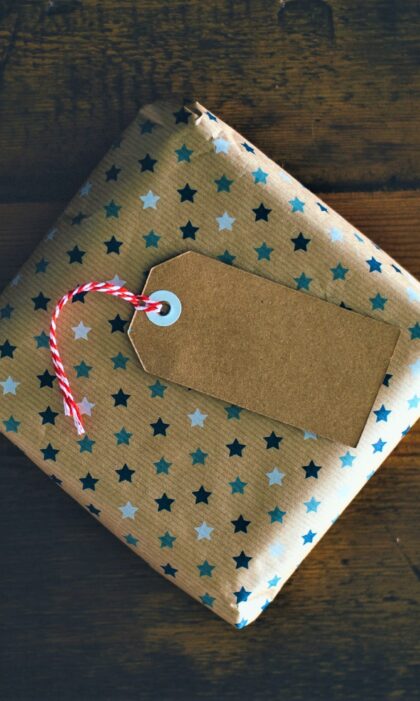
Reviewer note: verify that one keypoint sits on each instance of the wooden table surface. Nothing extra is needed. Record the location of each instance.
(331, 90)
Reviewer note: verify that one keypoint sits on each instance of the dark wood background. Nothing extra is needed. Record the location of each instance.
(331, 90)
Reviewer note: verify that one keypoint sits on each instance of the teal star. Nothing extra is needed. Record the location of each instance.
(273, 581)
(198, 457)
(414, 331)
(233, 412)
(264, 252)
(223, 184)
(42, 341)
(152, 239)
(207, 600)
(374, 265)
(339, 272)
(112, 210)
(184, 153)
(86, 444)
(378, 302)
(11, 425)
(120, 361)
(41, 266)
(226, 257)
(276, 515)
(205, 569)
(260, 176)
(311, 505)
(297, 205)
(131, 540)
(347, 459)
(167, 540)
(302, 282)
(162, 466)
(238, 486)
(157, 389)
(123, 436)
(6, 312)
(382, 413)
(82, 369)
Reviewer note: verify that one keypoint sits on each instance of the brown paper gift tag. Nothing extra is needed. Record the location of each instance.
(265, 347)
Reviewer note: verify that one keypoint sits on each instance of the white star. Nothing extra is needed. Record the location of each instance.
(149, 200)
(81, 331)
(85, 190)
(16, 280)
(221, 145)
(336, 234)
(51, 234)
(9, 385)
(277, 549)
(86, 406)
(204, 531)
(128, 510)
(285, 176)
(308, 435)
(117, 281)
(415, 368)
(197, 418)
(225, 221)
(275, 476)
(413, 295)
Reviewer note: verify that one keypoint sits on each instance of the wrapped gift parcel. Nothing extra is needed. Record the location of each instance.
(219, 463)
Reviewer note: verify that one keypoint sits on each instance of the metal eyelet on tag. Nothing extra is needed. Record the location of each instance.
(175, 308)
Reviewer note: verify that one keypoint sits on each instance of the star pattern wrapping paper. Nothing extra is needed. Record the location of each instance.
(221, 501)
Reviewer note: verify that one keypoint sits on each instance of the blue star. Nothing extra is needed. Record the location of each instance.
(123, 437)
(379, 445)
(312, 505)
(42, 341)
(260, 176)
(184, 153)
(297, 205)
(88, 482)
(223, 184)
(164, 502)
(415, 368)
(415, 331)
(11, 425)
(301, 243)
(276, 515)
(378, 302)
(242, 560)
(275, 476)
(221, 145)
(151, 239)
(226, 257)
(240, 525)
(242, 623)
(374, 265)
(263, 251)
(406, 430)
(131, 540)
(41, 266)
(235, 448)
(382, 413)
(347, 459)
(265, 605)
(302, 282)
(82, 369)
(308, 537)
(238, 486)
(413, 402)
(273, 441)
(204, 531)
(159, 427)
(112, 210)
(167, 540)
(207, 600)
(162, 466)
(206, 569)
(199, 457)
(169, 570)
(248, 148)
(311, 470)
(157, 389)
(225, 221)
(339, 272)
(241, 595)
(149, 200)
(233, 412)
(86, 444)
(273, 581)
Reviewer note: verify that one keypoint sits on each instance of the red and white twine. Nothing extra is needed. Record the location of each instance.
(140, 302)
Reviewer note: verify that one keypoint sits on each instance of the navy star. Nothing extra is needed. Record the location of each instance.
(159, 427)
(248, 148)
(301, 243)
(124, 473)
(235, 448)
(112, 210)
(189, 230)
(117, 324)
(41, 266)
(414, 331)
(147, 127)
(49, 452)
(273, 441)
(79, 297)
(382, 413)
(93, 510)
(147, 163)
(322, 207)
(169, 570)
(6, 312)
(120, 398)
(241, 595)
(164, 502)
(76, 255)
(40, 301)
(187, 193)
(202, 496)
(240, 525)
(78, 218)
(261, 212)
(311, 470)
(242, 560)
(46, 379)
(113, 246)
(88, 482)
(7, 349)
(112, 173)
(56, 480)
(182, 116)
(387, 379)
(48, 416)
